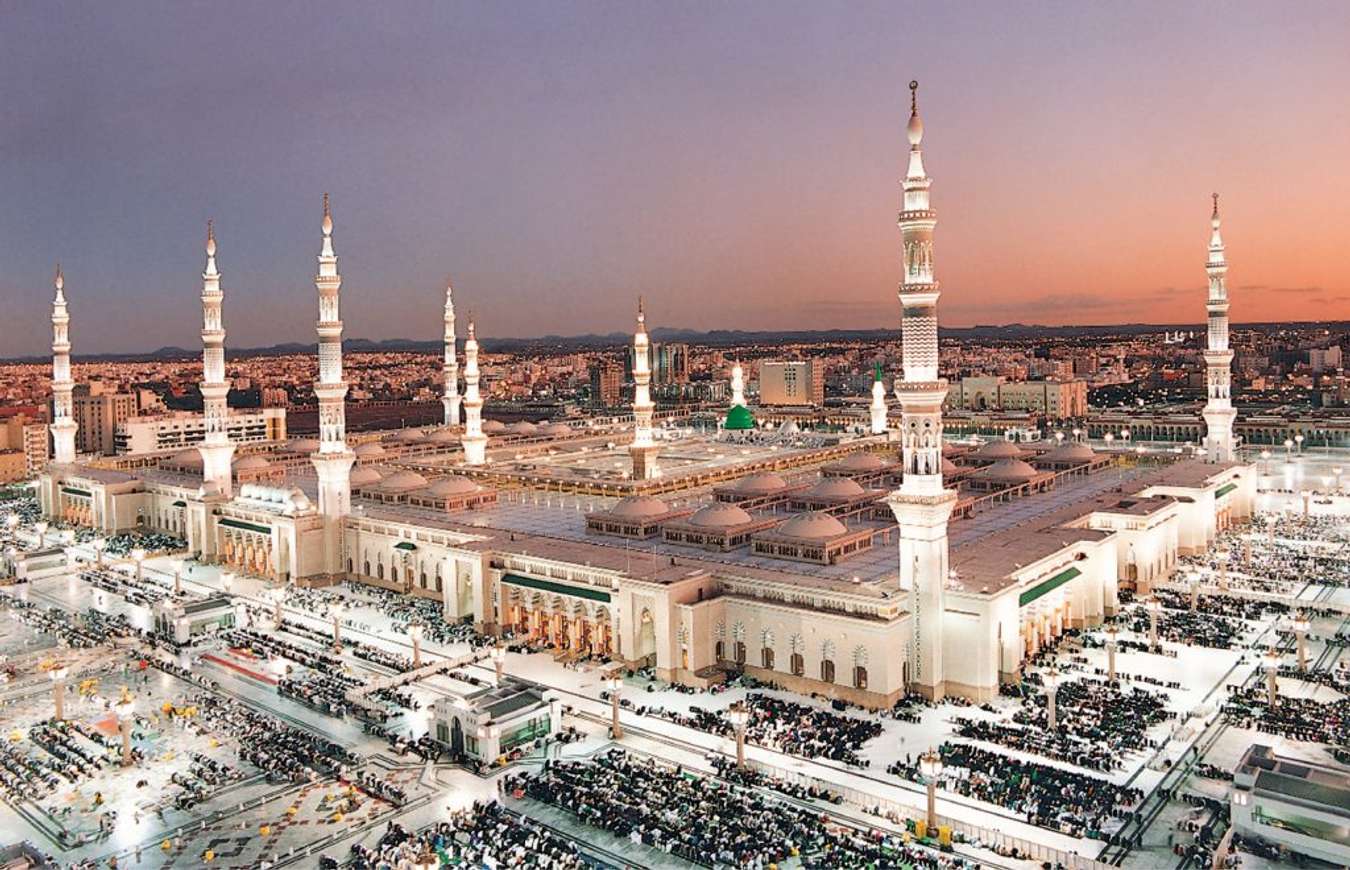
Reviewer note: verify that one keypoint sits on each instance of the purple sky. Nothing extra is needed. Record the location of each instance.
(736, 162)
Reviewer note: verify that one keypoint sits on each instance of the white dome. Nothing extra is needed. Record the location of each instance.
(365, 476)
(720, 515)
(835, 488)
(369, 450)
(493, 427)
(639, 507)
(1008, 470)
(814, 525)
(764, 483)
(522, 427)
(556, 430)
(998, 450)
(443, 436)
(189, 458)
(402, 481)
(1071, 452)
(297, 501)
(251, 463)
(789, 428)
(412, 436)
(303, 445)
(452, 486)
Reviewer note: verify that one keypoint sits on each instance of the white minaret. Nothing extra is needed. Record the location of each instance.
(737, 385)
(878, 408)
(216, 449)
(921, 505)
(333, 462)
(1219, 412)
(450, 368)
(473, 441)
(63, 387)
(643, 449)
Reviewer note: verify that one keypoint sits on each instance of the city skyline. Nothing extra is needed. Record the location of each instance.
(585, 155)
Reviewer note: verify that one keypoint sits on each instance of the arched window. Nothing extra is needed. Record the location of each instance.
(379, 571)
(827, 670)
(859, 677)
(740, 652)
(720, 650)
(798, 665)
(349, 566)
(367, 571)
(766, 657)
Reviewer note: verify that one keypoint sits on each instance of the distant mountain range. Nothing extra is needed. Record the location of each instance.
(715, 338)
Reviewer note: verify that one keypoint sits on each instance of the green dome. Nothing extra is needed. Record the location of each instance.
(739, 417)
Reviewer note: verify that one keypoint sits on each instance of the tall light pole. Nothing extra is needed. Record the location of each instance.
(930, 765)
(126, 717)
(1265, 462)
(99, 545)
(1051, 679)
(739, 717)
(1154, 606)
(1271, 662)
(138, 556)
(498, 654)
(277, 594)
(178, 567)
(1288, 447)
(337, 612)
(1300, 625)
(615, 686)
(1337, 471)
(1112, 644)
(58, 676)
(1223, 555)
(1193, 579)
(41, 528)
(1298, 440)
(415, 630)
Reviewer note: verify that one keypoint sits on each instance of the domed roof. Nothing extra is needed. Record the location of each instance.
(639, 507)
(949, 467)
(998, 450)
(303, 445)
(739, 417)
(835, 487)
(720, 515)
(1010, 470)
(364, 476)
(369, 450)
(452, 485)
(402, 481)
(860, 462)
(443, 436)
(189, 458)
(522, 427)
(557, 430)
(1071, 452)
(297, 501)
(491, 427)
(764, 483)
(412, 436)
(814, 525)
(789, 428)
(251, 463)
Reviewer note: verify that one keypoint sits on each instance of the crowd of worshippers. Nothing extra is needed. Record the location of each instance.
(484, 835)
(120, 545)
(27, 508)
(201, 780)
(403, 610)
(1072, 803)
(28, 775)
(144, 593)
(1298, 550)
(749, 777)
(1059, 746)
(425, 747)
(1096, 711)
(1190, 627)
(1195, 836)
(797, 729)
(84, 631)
(285, 753)
(706, 821)
(373, 785)
(1295, 718)
(364, 651)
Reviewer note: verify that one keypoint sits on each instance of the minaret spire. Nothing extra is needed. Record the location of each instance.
(63, 426)
(333, 461)
(878, 409)
(1219, 413)
(216, 450)
(474, 441)
(643, 449)
(450, 368)
(921, 505)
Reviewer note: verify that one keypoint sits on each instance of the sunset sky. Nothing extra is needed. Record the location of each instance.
(736, 162)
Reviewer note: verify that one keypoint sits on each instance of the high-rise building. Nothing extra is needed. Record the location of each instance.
(98, 417)
(795, 382)
(145, 434)
(606, 384)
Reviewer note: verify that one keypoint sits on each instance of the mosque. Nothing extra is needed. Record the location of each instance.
(855, 566)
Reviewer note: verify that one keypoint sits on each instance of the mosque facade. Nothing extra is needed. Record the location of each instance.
(854, 566)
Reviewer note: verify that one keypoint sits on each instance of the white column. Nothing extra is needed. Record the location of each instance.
(450, 368)
(474, 441)
(1219, 413)
(216, 450)
(63, 425)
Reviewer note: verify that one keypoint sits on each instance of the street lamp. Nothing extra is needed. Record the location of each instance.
(1288, 446)
(1337, 471)
(227, 582)
(1298, 439)
(739, 717)
(41, 528)
(1271, 662)
(1109, 438)
(179, 566)
(1265, 460)
(58, 676)
(1223, 556)
(498, 656)
(277, 594)
(337, 613)
(615, 686)
(1193, 579)
(1154, 607)
(1051, 680)
(99, 545)
(138, 556)
(1300, 625)
(415, 629)
(930, 765)
(1059, 437)
(125, 719)
(1112, 644)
